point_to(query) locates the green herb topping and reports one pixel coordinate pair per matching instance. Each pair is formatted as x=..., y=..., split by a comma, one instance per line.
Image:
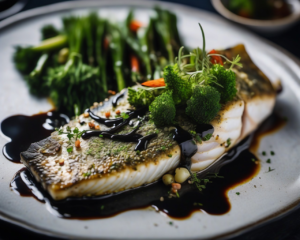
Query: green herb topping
x=228, y=142
x=70, y=149
x=207, y=137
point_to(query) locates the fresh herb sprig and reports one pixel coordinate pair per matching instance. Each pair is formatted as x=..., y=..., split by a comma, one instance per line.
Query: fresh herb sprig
x=199, y=69
x=75, y=133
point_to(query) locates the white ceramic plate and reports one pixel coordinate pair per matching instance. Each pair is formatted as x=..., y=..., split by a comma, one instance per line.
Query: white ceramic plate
x=276, y=191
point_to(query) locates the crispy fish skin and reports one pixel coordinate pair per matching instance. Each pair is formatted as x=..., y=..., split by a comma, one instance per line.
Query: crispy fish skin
x=102, y=166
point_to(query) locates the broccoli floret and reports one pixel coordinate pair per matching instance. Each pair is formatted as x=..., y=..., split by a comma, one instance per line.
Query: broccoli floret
x=163, y=109
x=140, y=97
x=49, y=31
x=204, y=104
x=25, y=59
x=182, y=89
x=226, y=78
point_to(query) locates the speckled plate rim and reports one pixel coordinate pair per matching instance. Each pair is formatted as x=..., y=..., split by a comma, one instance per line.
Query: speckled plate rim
x=294, y=65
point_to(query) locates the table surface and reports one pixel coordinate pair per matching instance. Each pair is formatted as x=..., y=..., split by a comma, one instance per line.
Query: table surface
x=287, y=228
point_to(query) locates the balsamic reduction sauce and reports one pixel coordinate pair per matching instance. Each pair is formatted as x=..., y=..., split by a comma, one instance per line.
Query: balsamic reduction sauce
x=118, y=124
x=24, y=130
x=117, y=98
x=187, y=147
x=143, y=142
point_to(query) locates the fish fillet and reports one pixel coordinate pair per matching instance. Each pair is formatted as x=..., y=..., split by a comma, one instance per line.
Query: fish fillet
x=102, y=166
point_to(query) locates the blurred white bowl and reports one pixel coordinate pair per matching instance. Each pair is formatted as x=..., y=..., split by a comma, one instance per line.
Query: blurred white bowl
x=267, y=27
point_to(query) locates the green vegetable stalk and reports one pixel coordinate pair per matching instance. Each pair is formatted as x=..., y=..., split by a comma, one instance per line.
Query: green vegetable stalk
x=116, y=47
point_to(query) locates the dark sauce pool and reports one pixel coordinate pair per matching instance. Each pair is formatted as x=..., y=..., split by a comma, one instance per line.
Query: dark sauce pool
x=24, y=130
x=235, y=168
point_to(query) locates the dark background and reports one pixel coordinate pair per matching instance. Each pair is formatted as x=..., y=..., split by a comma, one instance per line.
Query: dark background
x=283, y=228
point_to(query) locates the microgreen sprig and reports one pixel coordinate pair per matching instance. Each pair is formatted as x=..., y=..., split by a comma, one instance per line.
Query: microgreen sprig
x=199, y=67
x=70, y=134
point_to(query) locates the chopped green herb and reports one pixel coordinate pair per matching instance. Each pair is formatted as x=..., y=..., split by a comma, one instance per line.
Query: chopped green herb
x=70, y=149
x=228, y=142
x=237, y=193
x=102, y=207
x=101, y=136
x=200, y=183
x=272, y=153
x=269, y=160
x=264, y=153
x=163, y=148
x=86, y=174
x=207, y=137
x=138, y=152
x=69, y=133
x=171, y=223
x=253, y=160
x=193, y=142
x=193, y=132
x=124, y=115
x=198, y=139
x=270, y=170
x=70, y=136
x=169, y=155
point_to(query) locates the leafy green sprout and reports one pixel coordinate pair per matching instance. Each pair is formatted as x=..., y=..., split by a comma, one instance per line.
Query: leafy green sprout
x=199, y=70
x=124, y=115
x=70, y=134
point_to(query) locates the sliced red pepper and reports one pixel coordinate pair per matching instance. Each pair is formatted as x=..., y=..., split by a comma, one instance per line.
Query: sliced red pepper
x=215, y=59
x=134, y=64
x=135, y=25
